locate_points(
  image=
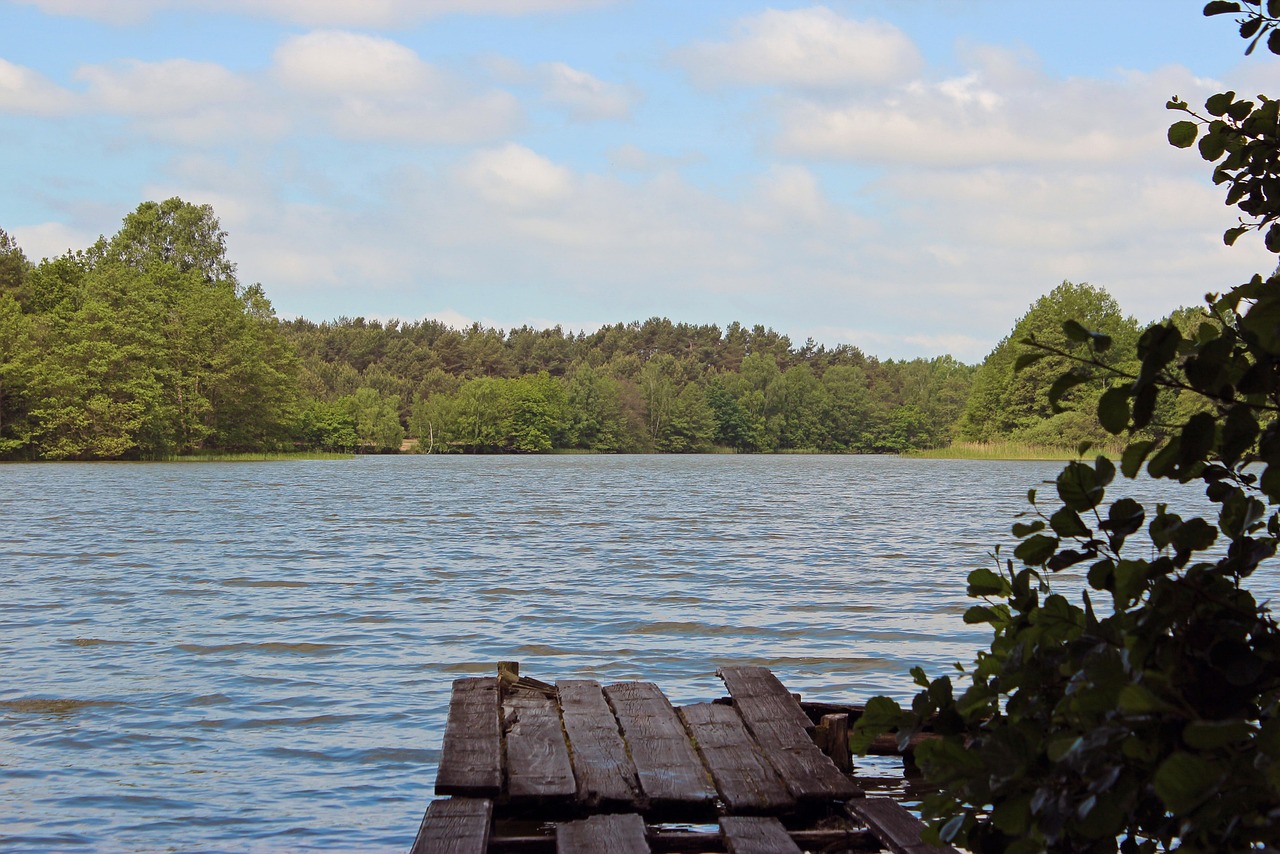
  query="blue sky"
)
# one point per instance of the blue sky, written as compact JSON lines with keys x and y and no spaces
{"x":903,"y":176}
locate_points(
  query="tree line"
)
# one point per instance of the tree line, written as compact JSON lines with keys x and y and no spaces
{"x":146,"y":345}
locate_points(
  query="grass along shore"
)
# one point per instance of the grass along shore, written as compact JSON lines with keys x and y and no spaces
{"x":1006,"y":451}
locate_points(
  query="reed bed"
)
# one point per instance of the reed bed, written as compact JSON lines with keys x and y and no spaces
{"x":1007,"y":451}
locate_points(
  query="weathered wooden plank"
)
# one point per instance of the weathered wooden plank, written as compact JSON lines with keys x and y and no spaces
{"x":747,"y":782}
{"x":774,"y":718}
{"x":455,"y":826}
{"x":471,"y":758}
{"x":750,"y":834}
{"x":667,"y":766}
{"x":897,"y":829}
{"x":538,"y":767}
{"x":760,"y":696}
{"x":808,"y":773}
{"x":616,"y":834}
{"x":605,"y":774}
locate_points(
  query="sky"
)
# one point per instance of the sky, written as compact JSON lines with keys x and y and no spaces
{"x":905,"y":177}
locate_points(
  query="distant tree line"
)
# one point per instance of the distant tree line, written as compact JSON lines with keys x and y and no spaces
{"x":146,"y":345}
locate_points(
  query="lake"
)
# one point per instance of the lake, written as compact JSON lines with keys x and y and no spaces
{"x":257,"y":656}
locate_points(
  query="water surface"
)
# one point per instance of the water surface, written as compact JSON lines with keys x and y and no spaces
{"x":257,"y":656}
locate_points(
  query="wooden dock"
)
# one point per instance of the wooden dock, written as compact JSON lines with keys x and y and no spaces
{"x":578,"y":767}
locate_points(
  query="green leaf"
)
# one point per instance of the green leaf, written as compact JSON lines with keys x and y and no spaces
{"x":1183,"y":134}
{"x":1232,"y":234}
{"x":1064,"y":384}
{"x":1113,"y":409}
{"x":1078,"y":487}
{"x":1184,"y":781}
{"x":1029,"y":358}
{"x":1024,"y":529}
{"x":1139,"y":700}
{"x":1036,"y":550}
{"x":1217,"y":105}
{"x":1128,"y":578}
{"x":1067,"y":523}
{"x":984,"y":582}
{"x":1272,"y":240}
{"x":1213,"y":145}
{"x":1220,"y":7}
{"x":1194,"y":535}
{"x":1133,"y":457}
{"x":980,"y":614}
{"x":1212,"y":735}
{"x":879,"y":715}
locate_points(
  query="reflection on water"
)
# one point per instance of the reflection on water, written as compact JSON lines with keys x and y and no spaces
{"x":257,"y":656}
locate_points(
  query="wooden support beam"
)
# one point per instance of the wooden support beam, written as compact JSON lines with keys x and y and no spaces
{"x":745,"y":834}
{"x":897,"y":829}
{"x":615,"y":833}
{"x":835,"y":740}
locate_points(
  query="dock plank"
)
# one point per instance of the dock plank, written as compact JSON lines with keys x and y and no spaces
{"x":895,"y":827}
{"x":746,"y":781}
{"x":455,"y":826}
{"x":761,"y":696}
{"x":668,"y":768}
{"x":745,"y":834}
{"x":616,"y":834}
{"x":471,"y":756}
{"x":774,"y":717}
{"x":604,"y":773}
{"x":538,"y":767}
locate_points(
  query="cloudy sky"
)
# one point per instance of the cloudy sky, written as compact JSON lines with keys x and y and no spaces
{"x":903,"y":176}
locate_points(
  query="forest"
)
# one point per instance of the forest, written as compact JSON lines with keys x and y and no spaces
{"x":147,"y":346}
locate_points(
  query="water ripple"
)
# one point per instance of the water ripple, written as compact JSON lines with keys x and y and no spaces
{"x":257,"y":656}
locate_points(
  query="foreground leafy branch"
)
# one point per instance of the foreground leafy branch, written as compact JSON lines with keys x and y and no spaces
{"x":1147,"y":717}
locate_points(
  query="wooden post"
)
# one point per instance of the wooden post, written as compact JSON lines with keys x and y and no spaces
{"x":837,"y":741}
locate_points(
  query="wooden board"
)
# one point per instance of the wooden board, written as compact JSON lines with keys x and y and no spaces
{"x":668,"y":768}
{"x":756,"y":835}
{"x":897,"y":829}
{"x":615,"y":834}
{"x":471,"y":759}
{"x":605,"y":774}
{"x":760,"y":696}
{"x":455,"y":826}
{"x":746,"y":781}
{"x":538,"y":767}
{"x":809,"y":774}
{"x":774,"y":718}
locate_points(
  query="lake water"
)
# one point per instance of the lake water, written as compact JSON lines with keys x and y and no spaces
{"x":257,"y":656}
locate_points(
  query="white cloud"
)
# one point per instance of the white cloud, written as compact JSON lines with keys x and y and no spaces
{"x":372,"y":88}
{"x":586,"y":97}
{"x":811,"y":48}
{"x":23,"y":90}
{"x":1002,"y":112}
{"x":165,"y":88}
{"x":516,"y":178}
{"x":331,"y":62}
{"x":322,"y":13}
{"x":50,"y":239}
